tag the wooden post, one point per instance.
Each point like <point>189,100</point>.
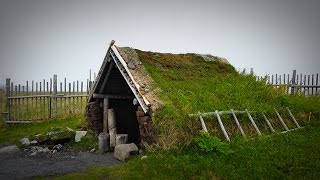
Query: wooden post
<point>36,102</point>
<point>65,93</point>
<point>222,126</point>
<point>112,127</point>
<point>281,121</point>
<point>16,103</point>
<point>202,123</point>
<point>304,83</point>
<point>253,123</point>
<point>8,99</point>
<point>308,84</point>
<point>312,78</point>
<point>294,119</point>
<point>73,104</point>
<point>105,114</point>
<point>69,100</point>
<point>288,84</point>
<point>81,98</point>
<point>27,99</point>
<point>317,82</point>
<point>88,86</point>
<point>268,122</point>
<point>237,122</point>
<point>22,105</point>
<point>294,74</point>
<point>44,100</point>
<point>19,102</point>
<point>32,99</point>
<point>54,94</point>
<point>60,99</point>
<point>78,110</point>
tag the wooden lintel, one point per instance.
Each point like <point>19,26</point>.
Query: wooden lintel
<point>95,95</point>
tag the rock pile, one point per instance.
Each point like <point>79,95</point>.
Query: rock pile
<point>95,116</point>
<point>145,126</point>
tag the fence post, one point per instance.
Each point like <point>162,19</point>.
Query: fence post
<point>8,98</point>
<point>54,95</point>
<point>293,81</point>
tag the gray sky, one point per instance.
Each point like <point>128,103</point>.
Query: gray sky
<point>39,38</point>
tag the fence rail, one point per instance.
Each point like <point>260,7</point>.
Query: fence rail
<point>43,100</point>
<point>301,84</point>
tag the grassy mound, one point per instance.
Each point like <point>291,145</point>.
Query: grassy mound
<point>190,84</point>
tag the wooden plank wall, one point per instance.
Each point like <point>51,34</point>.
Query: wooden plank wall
<point>295,83</point>
<point>45,99</point>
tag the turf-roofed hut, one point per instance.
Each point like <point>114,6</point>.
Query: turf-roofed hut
<point>121,88</point>
<point>152,93</point>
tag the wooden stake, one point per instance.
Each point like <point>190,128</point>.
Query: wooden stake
<point>222,126</point>
<point>112,127</point>
<point>202,123</point>
<point>253,123</point>
<point>105,114</point>
<point>294,119</point>
<point>281,121</point>
<point>237,122</point>
<point>268,122</point>
<point>8,100</point>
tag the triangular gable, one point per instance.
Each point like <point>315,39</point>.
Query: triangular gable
<point>113,58</point>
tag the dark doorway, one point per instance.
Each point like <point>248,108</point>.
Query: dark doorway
<point>126,119</point>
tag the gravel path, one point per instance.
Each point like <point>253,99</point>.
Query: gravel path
<point>16,164</point>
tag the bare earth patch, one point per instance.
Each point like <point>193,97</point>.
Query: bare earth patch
<point>20,165</point>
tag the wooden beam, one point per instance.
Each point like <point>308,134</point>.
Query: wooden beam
<point>293,118</point>
<point>202,123</point>
<point>105,114</point>
<point>207,114</point>
<point>102,96</point>
<point>253,123</point>
<point>281,121</point>
<point>237,122</point>
<point>105,80</point>
<point>268,122</point>
<point>134,86</point>
<point>222,126</point>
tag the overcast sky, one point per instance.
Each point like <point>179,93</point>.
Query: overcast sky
<point>39,38</point>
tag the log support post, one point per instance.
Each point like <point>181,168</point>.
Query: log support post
<point>105,114</point>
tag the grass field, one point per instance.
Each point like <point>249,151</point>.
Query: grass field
<point>293,155</point>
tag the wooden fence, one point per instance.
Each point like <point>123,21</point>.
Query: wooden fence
<point>301,84</point>
<point>43,100</point>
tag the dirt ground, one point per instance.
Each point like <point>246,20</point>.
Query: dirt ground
<point>19,165</point>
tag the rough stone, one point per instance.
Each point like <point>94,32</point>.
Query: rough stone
<point>34,142</point>
<point>9,149</point>
<point>25,141</point>
<point>124,152</point>
<point>33,153</point>
<point>121,139</point>
<point>79,135</point>
<point>131,65</point>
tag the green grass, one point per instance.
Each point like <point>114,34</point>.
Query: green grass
<point>293,155</point>
<point>13,133</point>
<point>189,84</point>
